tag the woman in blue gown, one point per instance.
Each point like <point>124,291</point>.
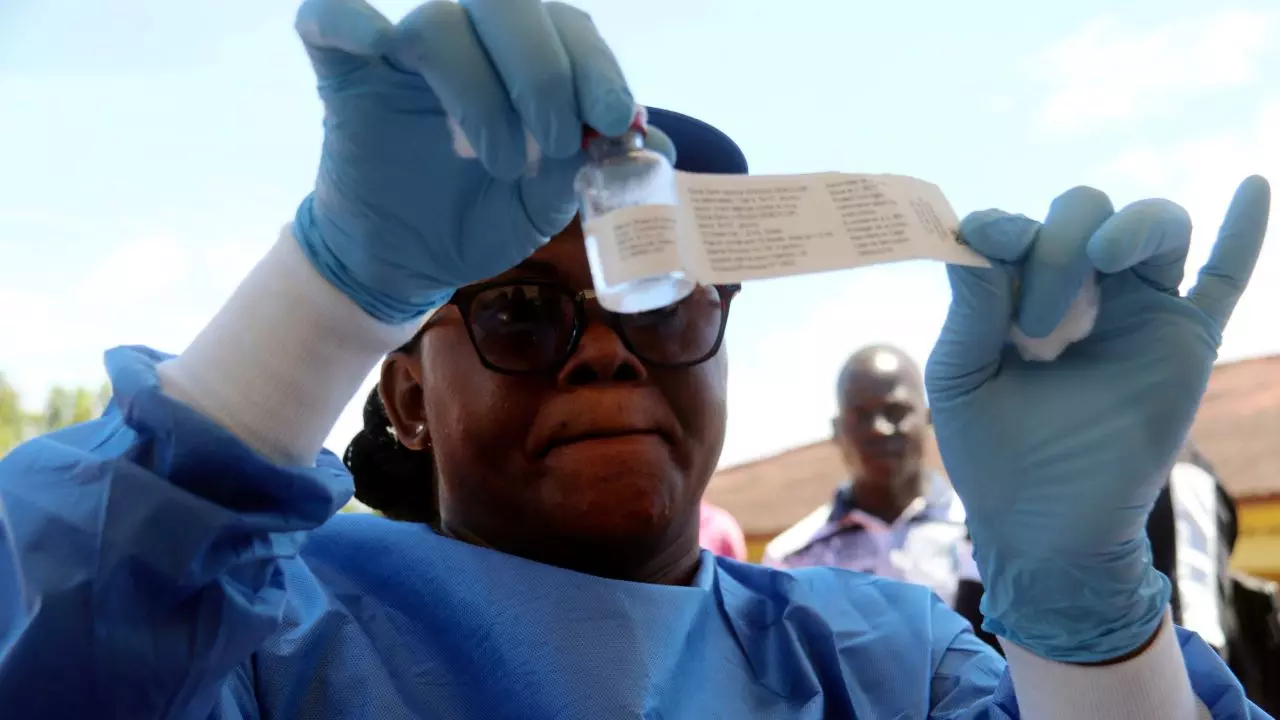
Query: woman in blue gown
<point>181,557</point>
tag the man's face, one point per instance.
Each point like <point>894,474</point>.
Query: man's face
<point>883,422</point>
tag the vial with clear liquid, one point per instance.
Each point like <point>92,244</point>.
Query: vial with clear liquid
<point>621,172</point>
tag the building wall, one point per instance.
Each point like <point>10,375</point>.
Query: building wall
<point>756,545</point>
<point>1257,550</point>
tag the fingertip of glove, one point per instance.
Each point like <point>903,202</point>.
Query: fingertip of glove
<point>421,31</point>
<point>1139,231</point>
<point>1157,210</point>
<point>1254,189</point>
<point>547,194</point>
<point>1250,207</point>
<point>609,111</point>
<point>998,235</point>
<point>1082,197</point>
<point>973,223</point>
<point>1256,183</point>
<point>352,26</point>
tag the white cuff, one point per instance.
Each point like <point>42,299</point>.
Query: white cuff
<point>1152,685</point>
<point>279,362</point>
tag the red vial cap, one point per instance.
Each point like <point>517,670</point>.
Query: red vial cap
<point>637,124</point>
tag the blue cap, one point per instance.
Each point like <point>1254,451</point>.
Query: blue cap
<point>700,148</point>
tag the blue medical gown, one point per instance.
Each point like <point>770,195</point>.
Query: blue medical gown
<point>154,567</point>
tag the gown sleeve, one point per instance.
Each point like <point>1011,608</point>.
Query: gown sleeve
<point>143,554</point>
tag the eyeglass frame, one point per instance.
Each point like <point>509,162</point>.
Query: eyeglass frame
<point>463,298</point>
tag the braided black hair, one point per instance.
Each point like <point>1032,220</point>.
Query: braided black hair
<point>392,479</point>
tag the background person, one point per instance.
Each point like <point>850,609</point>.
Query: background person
<point>720,533</point>
<point>894,517</point>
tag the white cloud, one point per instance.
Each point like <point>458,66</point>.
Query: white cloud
<point>1201,174</point>
<point>143,269</point>
<point>1001,104</point>
<point>24,315</point>
<point>154,290</point>
<point>1109,73</point>
<point>782,373</point>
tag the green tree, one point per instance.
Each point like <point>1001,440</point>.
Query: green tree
<point>12,420</point>
<point>62,407</point>
<point>59,408</point>
<point>85,405</point>
<point>104,396</point>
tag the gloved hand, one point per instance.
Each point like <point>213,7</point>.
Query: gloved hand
<point>398,218</point>
<point>1059,464</point>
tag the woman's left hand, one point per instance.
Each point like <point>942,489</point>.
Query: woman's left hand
<point>1059,463</point>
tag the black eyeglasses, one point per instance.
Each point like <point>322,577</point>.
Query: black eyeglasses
<point>523,327</point>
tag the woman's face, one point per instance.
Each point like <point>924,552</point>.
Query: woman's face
<point>598,466</point>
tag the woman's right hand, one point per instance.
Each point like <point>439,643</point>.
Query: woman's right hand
<point>399,218</point>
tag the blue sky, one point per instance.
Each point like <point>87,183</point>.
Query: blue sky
<point>150,150</point>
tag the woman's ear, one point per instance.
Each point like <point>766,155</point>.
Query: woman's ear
<point>400,386</point>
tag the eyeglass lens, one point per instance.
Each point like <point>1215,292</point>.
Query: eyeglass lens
<point>530,327</point>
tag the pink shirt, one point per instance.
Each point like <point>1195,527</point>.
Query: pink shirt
<point>721,534</point>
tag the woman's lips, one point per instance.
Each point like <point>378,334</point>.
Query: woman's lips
<point>604,438</point>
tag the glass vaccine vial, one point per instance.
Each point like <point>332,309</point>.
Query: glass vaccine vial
<point>622,173</point>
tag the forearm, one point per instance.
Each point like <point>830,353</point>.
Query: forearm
<point>279,362</point>
<point>1152,683</point>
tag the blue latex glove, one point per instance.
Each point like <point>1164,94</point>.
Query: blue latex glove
<point>1059,463</point>
<point>398,219</point>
